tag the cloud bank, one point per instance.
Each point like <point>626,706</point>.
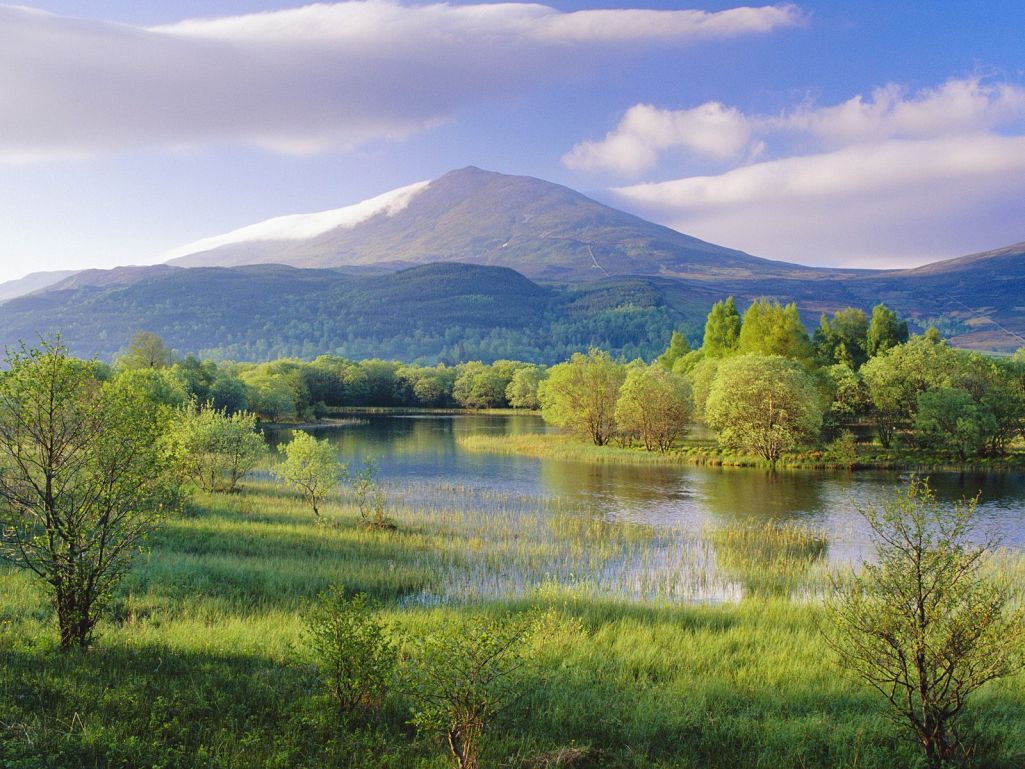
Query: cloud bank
<point>895,177</point>
<point>304,80</point>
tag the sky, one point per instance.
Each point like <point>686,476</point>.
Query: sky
<point>859,134</point>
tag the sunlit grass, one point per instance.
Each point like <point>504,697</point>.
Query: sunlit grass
<point>667,648</point>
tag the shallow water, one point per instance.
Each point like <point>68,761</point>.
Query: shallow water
<point>422,465</point>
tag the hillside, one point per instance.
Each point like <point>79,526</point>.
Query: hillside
<point>542,230</point>
<point>435,312</point>
<point>503,266</point>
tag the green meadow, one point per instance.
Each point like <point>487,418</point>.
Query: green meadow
<point>660,650</point>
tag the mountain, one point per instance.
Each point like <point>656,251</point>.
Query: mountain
<point>542,230</point>
<point>35,281</point>
<point>434,312</point>
<point>502,266</point>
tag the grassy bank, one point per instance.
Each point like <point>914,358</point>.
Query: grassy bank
<point>707,453</point>
<point>205,664</point>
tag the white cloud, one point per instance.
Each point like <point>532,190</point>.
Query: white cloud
<point>324,76</point>
<point>304,226</point>
<point>958,106</point>
<point>885,203</point>
<point>893,177</point>
<point>710,129</point>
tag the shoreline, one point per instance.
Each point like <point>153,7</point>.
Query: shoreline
<point>561,447</point>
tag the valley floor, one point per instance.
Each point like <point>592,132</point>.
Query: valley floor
<point>205,663</point>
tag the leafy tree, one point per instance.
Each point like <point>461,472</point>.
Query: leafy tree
<point>211,448</point>
<point>701,378</point>
<point>998,387</point>
<point>581,395</point>
<point>158,386</point>
<point>196,377</point>
<point>271,392</point>
<point>772,329</point>
<point>81,481</point>
<point>479,386</point>
<point>847,396</point>
<point>228,393</point>
<point>844,339</point>
<point>922,624</point>
<point>885,331</point>
<point>310,467</point>
<point>146,350</point>
<point>678,347</point>
<point>722,330</point>
<point>465,674</point>
<point>766,405</point>
<point>950,418</point>
<point>522,390</point>
<point>352,649</point>
<point>898,375</point>
<point>654,405</point>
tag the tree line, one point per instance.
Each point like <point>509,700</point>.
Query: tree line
<point>766,387</point>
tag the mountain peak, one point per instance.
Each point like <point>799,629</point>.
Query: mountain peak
<point>541,229</point>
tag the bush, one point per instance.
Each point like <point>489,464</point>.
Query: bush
<point>370,499</point>
<point>212,449</point>
<point>353,651</point>
<point>310,467</point>
<point>922,624</point>
<point>465,674</point>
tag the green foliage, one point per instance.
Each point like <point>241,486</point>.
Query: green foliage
<point>211,448</point>
<point>722,330</point>
<point>921,624</point>
<point>844,340</point>
<point>766,405</point>
<point>581,395</point>
<point>842,451</point>
<point>885,331</point>
<point>949,418</point>
<point>309,467</point>
<point>464,675</point>
<point>522,392</point>
<point>81,481</point>
<point>847,396</point>
<point>678,347</point>
<point>769,328</point>
<point>370,497</point>
<point>479,386</point>
<point>896,377</point>
<point>352,649</point>
<point>146,351</point>
<point>654,405</point>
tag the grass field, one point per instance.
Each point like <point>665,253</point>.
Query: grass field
<point>204,663</point>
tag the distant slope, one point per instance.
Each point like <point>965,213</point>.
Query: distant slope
<point>454,312</point>
<point>542,230</point>
<point>434,312</point>
<point>35,281</point>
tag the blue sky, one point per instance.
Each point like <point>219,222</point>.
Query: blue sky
<point>852,133</point>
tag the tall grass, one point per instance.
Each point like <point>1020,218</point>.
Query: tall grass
<point>665,649</point>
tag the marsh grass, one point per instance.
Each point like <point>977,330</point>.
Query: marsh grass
<point>203,662</point>
<point>706,453</point>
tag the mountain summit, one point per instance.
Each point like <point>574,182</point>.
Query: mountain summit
<point>540,229</point>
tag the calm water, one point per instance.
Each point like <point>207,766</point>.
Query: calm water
<point>421,462</point>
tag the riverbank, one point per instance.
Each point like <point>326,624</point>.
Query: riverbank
<point>707,454</point>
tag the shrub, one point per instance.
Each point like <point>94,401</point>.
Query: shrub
<point>353,651</point>
<point>310,467</point>
<point>922,624</point>
<point>464,675</point>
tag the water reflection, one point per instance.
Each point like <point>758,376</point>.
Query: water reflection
<point>682,533</point>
